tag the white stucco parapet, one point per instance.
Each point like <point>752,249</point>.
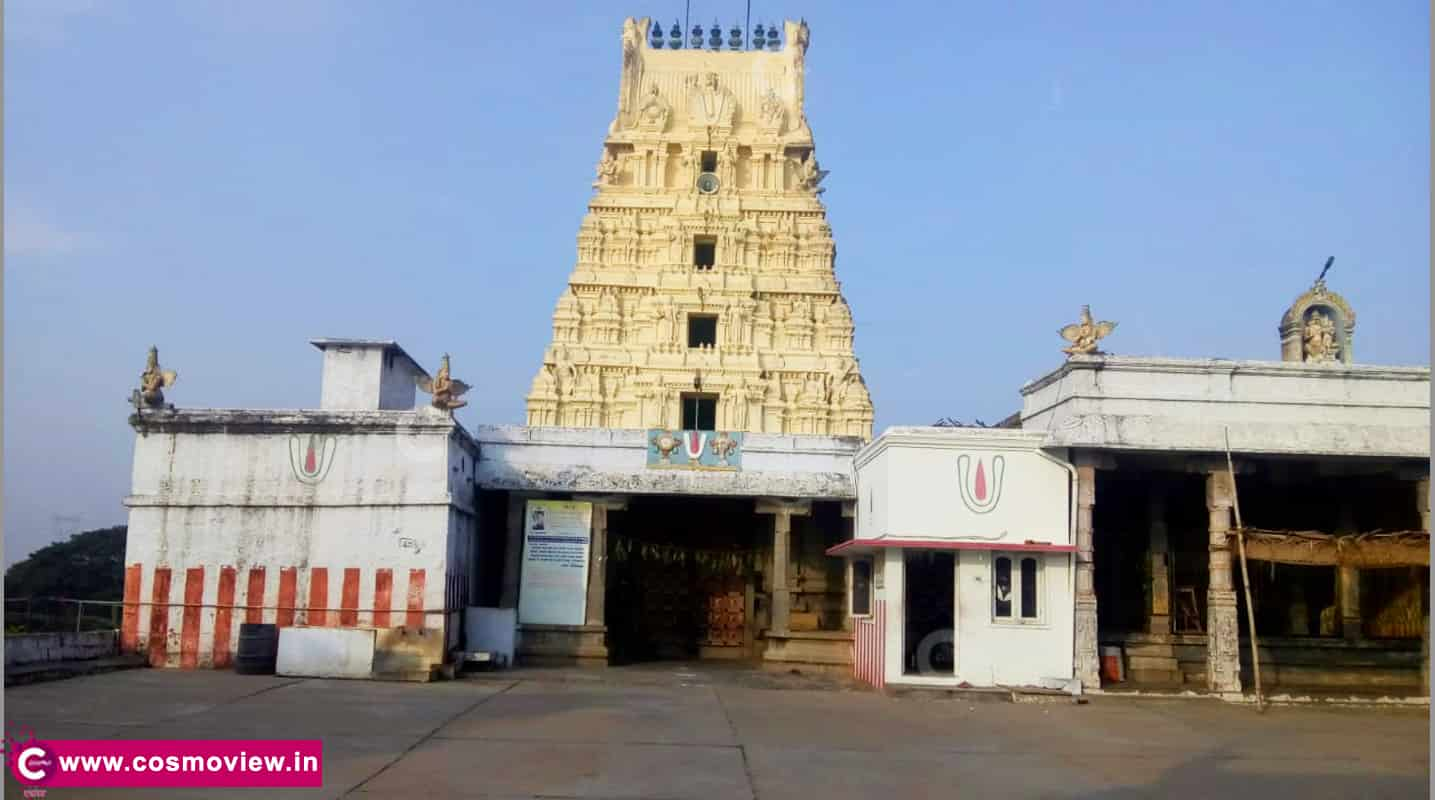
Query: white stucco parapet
<point>601,460</point>
<point>1169,404</point>
<point>944,437</point>
<point>242,457</point>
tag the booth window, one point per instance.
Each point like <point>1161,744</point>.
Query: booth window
<point>861,587</point>
<point>1016,588</point>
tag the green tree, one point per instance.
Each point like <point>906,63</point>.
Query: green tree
<point>87,566</point>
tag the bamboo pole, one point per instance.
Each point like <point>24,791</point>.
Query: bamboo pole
<point>1245,575</point>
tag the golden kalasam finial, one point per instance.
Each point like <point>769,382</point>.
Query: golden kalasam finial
<point>445,390</point>
<point>153,382</point>
<point>1085,334</point>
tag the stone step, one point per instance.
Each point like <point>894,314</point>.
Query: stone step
<point>1159,676</point>
<point>1168,663</point>
<point>1165,650</point>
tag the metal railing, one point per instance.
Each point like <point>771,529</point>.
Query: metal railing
<point>56,614</point>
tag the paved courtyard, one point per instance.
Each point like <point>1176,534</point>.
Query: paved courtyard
<point>683,732</point>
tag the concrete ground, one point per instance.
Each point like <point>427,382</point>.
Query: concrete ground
<point>679,731</point>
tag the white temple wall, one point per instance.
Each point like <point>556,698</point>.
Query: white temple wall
<point>376,530</point>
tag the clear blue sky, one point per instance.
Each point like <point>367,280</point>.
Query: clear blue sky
<point>227,180</point>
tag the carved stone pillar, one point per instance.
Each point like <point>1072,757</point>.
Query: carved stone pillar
<point>1422,504</point>
<point>1160,619</point>
<point>513,550</point>
<point>782,513</point>
<point>849,526</point>
<point>1086,663</point>
<point>1347,580</point>
<point>1425,656</point>
<point>597,566</point>
<point>781,558</point>
<point>1223,641</point>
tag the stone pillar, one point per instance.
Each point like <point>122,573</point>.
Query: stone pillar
<point>597,566</point>
<point>1347,580</point>
<point>782,512</point>
<point>849,531</point>
<point>513,550</point>
<point>1086,663</point>
<point>1422,501</point>
<point>781,558</point>
<point>1160,619</point>
<point>1422,504</point>
<point>1223,641</point>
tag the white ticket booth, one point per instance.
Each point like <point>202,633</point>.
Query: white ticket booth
<point>961,567</point>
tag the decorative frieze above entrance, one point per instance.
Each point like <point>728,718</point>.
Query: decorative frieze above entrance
<point>721,450</point>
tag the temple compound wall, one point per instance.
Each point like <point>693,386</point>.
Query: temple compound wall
<point>359,515</point>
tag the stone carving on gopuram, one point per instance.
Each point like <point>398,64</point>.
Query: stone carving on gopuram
<point>1319,327</point>
<point>705,262</point>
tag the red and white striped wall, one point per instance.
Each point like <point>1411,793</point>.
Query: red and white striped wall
<point>869,646</point>
<point>189,617</point>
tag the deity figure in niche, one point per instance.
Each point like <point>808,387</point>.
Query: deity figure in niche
<point>1320,340</point>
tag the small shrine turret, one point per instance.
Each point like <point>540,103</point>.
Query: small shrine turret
<point>1319,327</point>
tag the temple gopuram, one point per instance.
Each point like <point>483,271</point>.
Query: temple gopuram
<point>704,294</point>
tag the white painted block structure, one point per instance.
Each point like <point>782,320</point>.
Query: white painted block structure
<point>326,653</point>
<point>1000,509</point>
<point>336,517</point>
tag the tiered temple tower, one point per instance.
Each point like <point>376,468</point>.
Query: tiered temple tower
<point>704,295</point>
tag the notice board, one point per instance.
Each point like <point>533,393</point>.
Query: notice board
<point>553,589</point>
